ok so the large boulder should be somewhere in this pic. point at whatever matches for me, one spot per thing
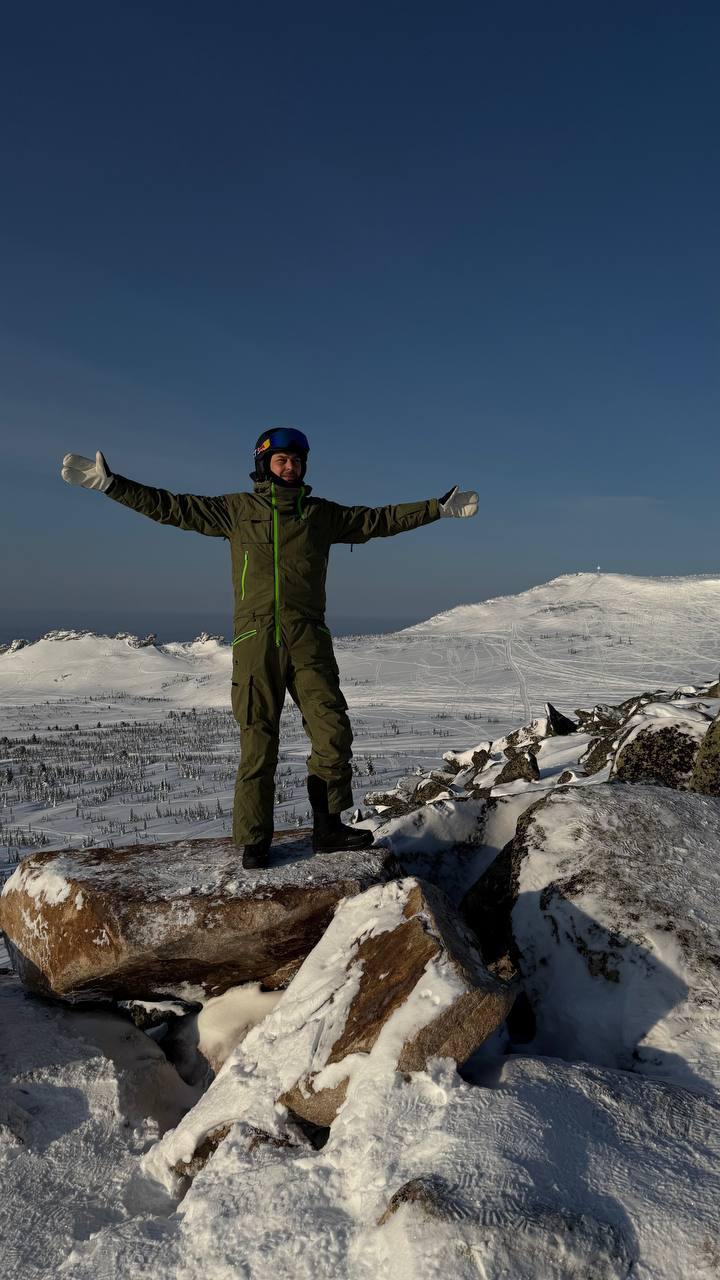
(654, 738)
(606, 901)
(383, 970)
(395, 980)
(180, 918)
(659, 743)
(521, 766)
(706, 770)
(664, 755)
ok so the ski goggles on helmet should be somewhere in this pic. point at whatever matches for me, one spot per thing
(281, 438)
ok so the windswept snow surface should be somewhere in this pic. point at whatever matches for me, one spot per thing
(540, 1171)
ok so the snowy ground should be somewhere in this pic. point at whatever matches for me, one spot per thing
(103, 742)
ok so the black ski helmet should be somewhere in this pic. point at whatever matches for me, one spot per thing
(278, 440)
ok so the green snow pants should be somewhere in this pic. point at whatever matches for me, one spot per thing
(304, 665)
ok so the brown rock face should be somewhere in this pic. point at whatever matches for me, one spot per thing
(706, 771)
(430, 934)
(164, 919)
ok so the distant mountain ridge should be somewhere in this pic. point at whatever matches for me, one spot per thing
(576, 640)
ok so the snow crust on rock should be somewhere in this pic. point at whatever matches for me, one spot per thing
(44, 884)
(185, 868)
(618, 925)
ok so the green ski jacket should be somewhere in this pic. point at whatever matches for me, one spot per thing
(279, 537)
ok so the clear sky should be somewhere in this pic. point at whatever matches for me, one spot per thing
(456, 242)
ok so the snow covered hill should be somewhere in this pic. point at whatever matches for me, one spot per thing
(579, 639)
(115, 739)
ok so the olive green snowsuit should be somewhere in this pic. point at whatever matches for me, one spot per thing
(280, 539)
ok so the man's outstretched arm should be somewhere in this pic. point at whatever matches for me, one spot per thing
(359, 524)
(209, 516)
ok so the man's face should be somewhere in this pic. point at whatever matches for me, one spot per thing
(286, 465)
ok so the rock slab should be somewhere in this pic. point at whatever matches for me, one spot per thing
(427, 949)
(181, 918)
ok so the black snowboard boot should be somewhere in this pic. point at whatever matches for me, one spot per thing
(330, 835)
(256, 855)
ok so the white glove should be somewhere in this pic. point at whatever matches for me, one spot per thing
(91, 475)
(454, 503)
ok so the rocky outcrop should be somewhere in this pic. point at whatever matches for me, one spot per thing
(558, 724)
(606, 902)
(520, 765)
(665, 756)
(410, 794)
(181, 918)
(653, 738)
(384, 971)
(705, 777)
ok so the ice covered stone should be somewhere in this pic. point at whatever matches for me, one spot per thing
(421, 981)
(181, 918)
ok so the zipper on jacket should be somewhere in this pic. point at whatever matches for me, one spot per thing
(301, 503)
(244, 575)
(276, 567)
(245, 636)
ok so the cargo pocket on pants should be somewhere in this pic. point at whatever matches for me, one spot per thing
(241, 699)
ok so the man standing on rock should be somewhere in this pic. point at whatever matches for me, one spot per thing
(280, 539)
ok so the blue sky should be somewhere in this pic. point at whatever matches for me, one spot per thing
(453, 243)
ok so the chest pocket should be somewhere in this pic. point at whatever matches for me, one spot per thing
(256, 532)
(255, 554)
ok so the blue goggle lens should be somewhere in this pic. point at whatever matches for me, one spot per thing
(283, 438)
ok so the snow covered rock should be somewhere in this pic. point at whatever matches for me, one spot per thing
(382, 969)
(623, 737)
(706, 770)
(411, 793)
(659, 744)
(175, 919)
(522, 764)
(607, 901)
(321, 1032)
